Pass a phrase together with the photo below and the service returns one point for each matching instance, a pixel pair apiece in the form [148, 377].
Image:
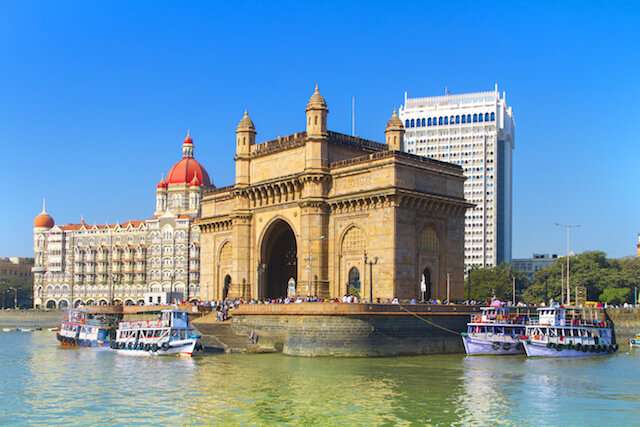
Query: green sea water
[45, 385]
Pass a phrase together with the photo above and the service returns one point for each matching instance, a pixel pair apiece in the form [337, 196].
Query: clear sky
[96, 97]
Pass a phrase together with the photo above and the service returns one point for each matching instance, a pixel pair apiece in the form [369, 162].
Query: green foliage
[25, 291]
[615, 295]
[485, 283]
[606, 280]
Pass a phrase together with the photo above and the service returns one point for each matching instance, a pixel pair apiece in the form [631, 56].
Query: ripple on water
[45, 385]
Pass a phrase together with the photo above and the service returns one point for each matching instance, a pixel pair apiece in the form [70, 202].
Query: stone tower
[394, 134]
[245, 139]
[317, 112]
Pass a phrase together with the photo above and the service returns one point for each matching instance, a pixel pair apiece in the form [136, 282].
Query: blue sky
[95, 98]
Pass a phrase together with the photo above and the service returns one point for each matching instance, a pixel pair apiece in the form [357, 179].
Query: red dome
[43, 220]
[184, 171]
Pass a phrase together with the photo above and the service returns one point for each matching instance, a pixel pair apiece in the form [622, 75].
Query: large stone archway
[279, 254]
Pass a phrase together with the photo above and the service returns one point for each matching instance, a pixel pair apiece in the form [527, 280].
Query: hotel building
[477, 132]
[101, 263]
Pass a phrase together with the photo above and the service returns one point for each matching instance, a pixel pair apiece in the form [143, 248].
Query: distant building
[477, 132]
[638, 246]
[15, 267]
[96, 263]
[529, 266]
[15, 272]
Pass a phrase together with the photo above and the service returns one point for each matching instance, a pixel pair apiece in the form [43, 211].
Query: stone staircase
[220, 337]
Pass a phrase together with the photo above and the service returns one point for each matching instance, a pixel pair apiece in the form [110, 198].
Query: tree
[494, 281]
[606, 280]
[615, 295]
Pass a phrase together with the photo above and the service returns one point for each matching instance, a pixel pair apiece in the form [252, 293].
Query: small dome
[43, 220]
[316, 101]
[394, 121]
[162, 184]
[246, 123]
[188, 139]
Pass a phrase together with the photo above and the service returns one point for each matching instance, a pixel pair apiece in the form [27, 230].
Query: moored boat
[496, 331]
[569, 332]
[170, 334]
[85, 329]
[635, 341]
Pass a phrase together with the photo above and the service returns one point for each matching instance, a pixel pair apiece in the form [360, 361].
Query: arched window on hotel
[480, 117]
[417, 123]
[475, 118]
[413, 123]
[446, 120]
[464, 119]
[406, 123]
[457, 119]
[440, 120]
[423, 122]
[486, 117]
[493, 117]
[451, 119]
[429, 121]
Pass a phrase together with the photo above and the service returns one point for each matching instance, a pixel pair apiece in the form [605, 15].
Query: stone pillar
[313, 251]
[241, 250]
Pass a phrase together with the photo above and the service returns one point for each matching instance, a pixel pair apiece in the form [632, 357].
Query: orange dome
[43, 220]
[188, 139]
[184, 171]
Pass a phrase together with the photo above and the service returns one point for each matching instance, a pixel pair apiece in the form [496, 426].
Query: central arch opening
[280, 258]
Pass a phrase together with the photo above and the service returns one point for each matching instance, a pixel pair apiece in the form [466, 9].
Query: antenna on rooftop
[353, 116]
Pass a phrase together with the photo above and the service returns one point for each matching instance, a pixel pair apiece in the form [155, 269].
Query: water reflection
[52, 386]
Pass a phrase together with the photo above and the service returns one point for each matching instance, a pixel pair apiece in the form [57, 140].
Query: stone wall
[354, 336]
[626, 321]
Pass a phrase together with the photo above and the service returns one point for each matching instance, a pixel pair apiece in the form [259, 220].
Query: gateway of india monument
[320, 213]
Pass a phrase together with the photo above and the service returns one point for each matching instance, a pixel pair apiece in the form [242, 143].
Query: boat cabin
[552, 316]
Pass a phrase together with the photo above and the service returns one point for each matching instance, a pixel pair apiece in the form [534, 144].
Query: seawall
[626, 321]
[30, 318]
[347, 330]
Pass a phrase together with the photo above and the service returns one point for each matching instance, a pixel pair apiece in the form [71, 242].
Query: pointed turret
[317, 112]
[394, 133]
[245, 139]
[187, 146]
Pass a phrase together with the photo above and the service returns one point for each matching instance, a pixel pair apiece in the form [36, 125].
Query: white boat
[635, 341]
[170, 334]
[569, 332]
[496, 331]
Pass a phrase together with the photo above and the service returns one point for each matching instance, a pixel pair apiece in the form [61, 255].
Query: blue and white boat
[86, 329]
[496, 331]
[170, 334]
[569, 332]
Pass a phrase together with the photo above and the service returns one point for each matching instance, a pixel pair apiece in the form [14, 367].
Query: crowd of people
[223, 308]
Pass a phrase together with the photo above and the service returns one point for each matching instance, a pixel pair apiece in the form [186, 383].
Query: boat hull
[483, 347]
[541, 350]
[77, 342]
[182, 349]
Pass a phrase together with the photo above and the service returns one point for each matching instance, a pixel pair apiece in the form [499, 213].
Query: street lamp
[371, 263]
[568, 228]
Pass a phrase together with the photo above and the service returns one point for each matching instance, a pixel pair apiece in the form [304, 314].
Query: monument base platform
[349, 330]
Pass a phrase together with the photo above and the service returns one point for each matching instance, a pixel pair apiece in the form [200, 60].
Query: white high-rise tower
[476, 131]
